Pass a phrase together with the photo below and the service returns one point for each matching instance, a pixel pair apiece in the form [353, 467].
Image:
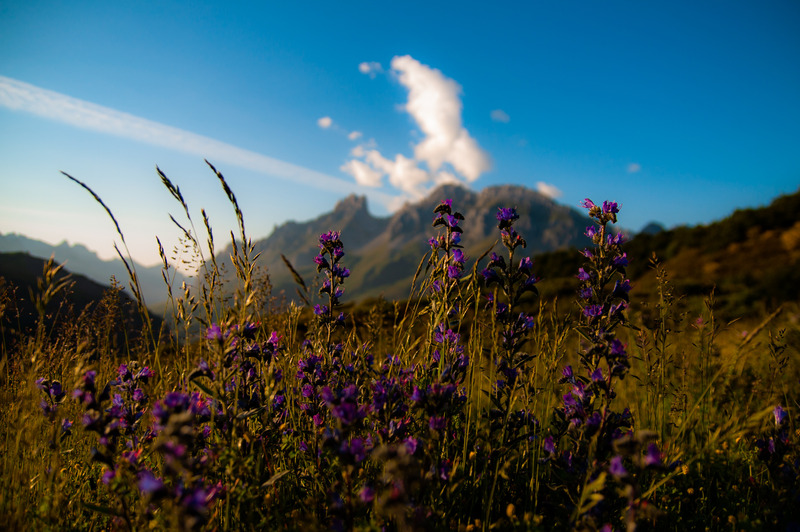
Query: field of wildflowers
[472, 405]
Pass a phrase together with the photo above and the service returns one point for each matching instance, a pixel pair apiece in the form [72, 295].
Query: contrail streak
[19, 96]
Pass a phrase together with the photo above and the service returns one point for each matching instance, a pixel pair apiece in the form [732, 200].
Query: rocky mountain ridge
[383, 253]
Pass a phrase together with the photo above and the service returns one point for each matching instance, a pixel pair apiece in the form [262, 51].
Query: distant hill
[81, 260]
[383, 253]
[18, 279]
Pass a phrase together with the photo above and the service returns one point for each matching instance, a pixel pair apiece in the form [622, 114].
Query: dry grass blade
[100, 201]
[297, 279]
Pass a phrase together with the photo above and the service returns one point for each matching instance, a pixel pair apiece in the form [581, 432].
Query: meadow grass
[472, 405]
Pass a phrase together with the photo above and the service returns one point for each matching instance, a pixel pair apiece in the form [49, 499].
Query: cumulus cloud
[354, 135]
[498, 115]
[23, 97]
[363, 173]
[634, 167]
[325, 122]
[549, 190]
[371, 68]
[445, 151]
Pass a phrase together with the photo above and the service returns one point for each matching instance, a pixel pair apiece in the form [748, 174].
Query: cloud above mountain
[446, 151]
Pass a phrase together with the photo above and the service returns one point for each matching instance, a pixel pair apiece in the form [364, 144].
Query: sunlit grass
[471, 405]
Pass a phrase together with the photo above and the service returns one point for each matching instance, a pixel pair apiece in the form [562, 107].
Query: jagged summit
[352, 204]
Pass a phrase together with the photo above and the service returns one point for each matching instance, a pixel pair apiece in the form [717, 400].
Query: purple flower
[340, 271]
[616, 468]
[320, 310]
[506, 216]
[437, 423]
[617, 308]
[490, 276]
[367, 495]
[214, 333]
[781, 416]
[610, 207]
[587, 204]
[653, 455]
[620, 261]
[411, 444]
[616, 239]
[593, 311]
[549, 445]
[621, 288]
[617, 348]
[583, 275]
[108, 476]
[331, 237]
[453, 272]
[148, 483]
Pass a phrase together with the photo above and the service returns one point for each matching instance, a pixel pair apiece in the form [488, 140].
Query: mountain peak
[352, 204]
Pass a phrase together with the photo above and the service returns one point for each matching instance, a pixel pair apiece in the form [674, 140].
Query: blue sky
[680, 112]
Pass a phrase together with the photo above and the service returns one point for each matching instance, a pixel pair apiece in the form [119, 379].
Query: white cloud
[498, 115]
[546, 189]
[435, 104]
[634, 167]
[354, 135]
[370, 68]
[20, 96]
[446, 151]
[325, 122]
[363, 173]
[404, 173]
